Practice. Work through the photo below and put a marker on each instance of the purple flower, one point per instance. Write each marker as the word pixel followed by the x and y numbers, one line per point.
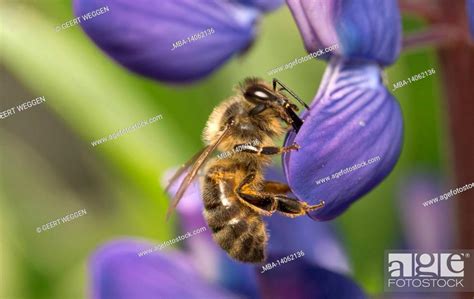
pixel 307 281
pixel 118 272
pixel 363 29
pixel 142 34
pixel 350 139
pixel 352 136
pixel 264 5
pixel 470 15
pixel 202 270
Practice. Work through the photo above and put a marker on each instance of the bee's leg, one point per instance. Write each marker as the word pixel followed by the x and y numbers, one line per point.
pixel 292 207
pixel 265 150
pixel 267 203
pixel 261 203
pixel 295 121
pixel 275 187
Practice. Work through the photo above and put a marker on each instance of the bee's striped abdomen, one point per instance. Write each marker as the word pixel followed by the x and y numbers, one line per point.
pixel 235 227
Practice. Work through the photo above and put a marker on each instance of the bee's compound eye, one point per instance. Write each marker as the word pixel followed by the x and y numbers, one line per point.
pixel 258 94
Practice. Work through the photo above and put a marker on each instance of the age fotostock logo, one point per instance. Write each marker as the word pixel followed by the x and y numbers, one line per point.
pixel 447 270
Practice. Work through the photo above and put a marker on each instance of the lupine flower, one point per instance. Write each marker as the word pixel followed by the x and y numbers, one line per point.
pixel 203 270
pixel 353 117
pixel 140 34
pixel 118 272
pixel 364 29
pixel 352 120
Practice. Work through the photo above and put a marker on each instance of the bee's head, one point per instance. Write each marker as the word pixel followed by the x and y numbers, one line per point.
pixel 259 94
pixel 264 98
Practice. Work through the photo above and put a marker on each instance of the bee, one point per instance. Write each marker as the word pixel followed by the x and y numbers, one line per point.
pixel 234 191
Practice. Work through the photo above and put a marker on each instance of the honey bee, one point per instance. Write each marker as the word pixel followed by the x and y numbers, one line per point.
pixel 234 191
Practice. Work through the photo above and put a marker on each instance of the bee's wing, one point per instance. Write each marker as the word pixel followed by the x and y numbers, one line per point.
pixel 199 159
pixel 183 168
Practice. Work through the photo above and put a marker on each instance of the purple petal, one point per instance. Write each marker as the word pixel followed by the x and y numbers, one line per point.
pixel 140 34
pixel 118 272
pixel 239 278
pixel 299 280
pixel 318 240
pixel 363 29
pixel 353 120
pixel 470 15
pixel 263 5
pixel 427 227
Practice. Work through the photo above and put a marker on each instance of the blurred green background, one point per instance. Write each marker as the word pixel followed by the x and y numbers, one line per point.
pixel 49 168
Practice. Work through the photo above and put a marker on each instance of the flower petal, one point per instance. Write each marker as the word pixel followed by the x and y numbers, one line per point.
pixel 264 5
pixel 363 29
pixel 323 247
pixel 118 272
pixel 298 279
pixel 140 34
pixel 353 120
pixel 237 277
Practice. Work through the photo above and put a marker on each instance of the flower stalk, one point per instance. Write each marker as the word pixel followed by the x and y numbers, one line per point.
pixel 457 63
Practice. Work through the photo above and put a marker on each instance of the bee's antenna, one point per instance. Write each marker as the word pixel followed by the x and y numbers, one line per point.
pixel 284 87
